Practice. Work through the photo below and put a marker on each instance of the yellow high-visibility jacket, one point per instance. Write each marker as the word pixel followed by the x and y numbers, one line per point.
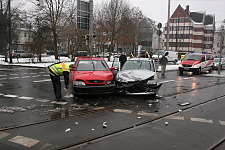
pixel 59 68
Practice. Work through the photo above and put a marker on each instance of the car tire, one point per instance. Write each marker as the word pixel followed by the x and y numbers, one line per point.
pixel 210 70
pixel 199 71
pixel 181 72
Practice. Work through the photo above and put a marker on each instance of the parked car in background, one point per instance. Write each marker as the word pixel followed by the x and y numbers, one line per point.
pixel 137 77
pixel 92 76
pixel 172 56
pixel 216 63
pixel 21 54
pixel 63 53
pixel 196 63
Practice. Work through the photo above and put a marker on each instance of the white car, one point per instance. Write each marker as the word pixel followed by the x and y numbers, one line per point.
pixel 216 63
pixel 137 77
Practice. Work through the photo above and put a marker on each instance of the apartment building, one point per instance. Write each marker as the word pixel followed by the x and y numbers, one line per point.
pixel 190 31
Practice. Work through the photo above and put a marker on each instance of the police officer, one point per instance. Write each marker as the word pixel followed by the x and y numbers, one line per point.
pixel 56 70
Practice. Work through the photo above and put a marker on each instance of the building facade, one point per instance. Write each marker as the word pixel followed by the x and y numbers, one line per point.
pixel 190 31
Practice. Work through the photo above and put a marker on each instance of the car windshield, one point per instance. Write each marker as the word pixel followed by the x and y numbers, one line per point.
pixel 159 52
pixel 92 65
pixel 137 64
pixel 192 57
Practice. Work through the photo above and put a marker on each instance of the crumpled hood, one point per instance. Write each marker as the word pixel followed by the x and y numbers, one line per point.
pixel 135 75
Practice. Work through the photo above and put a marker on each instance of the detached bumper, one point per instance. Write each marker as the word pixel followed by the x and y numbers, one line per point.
pixel 137 90
pixel 94 90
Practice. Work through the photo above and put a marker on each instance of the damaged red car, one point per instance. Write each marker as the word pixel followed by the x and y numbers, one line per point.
pixel 92 75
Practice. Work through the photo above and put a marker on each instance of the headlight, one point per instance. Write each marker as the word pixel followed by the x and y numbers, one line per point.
pixel 120 79
pixel 78 83
pixel 196 66
pixel 151 82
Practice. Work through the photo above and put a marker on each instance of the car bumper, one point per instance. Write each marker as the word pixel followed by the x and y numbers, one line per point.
pixel 136 90
pixel 94 90
pixel 188 69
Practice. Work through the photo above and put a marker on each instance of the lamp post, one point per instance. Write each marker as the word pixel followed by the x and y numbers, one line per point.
pixel 10 40
pixel 168 27
pixel 221 47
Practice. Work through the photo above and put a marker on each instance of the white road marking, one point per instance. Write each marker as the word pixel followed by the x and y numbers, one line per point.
pixel 12 96
pixel 4 134
pixel 14 78
pixel 2 75
pixel 3 78
pixel 42 72
pixel 188 78
pixel 147 114
pixel 167 81
pixel 175 117
pixel 14 74
pixel 43 80
pixel 25 141
pixel 42 100
pixel 201 120
pixel 222 122
pixel 122 111
pixel 59 103
pixel 25 77
pixel 36 76
pixel 33 73
pixel 26 98
pixel 45 75
pixel 24 73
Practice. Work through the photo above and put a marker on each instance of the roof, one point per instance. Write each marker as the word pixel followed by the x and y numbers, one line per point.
pixel 142 59
pixel 90 58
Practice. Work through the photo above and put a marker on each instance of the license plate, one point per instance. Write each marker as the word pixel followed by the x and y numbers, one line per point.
pixel 186 68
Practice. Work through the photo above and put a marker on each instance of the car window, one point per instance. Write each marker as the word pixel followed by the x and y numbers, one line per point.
pixel 130 65
pixel 208 57
pixel 192 57
pixel 92 65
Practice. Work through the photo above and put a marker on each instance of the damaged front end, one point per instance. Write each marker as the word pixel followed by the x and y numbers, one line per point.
pixel 134 83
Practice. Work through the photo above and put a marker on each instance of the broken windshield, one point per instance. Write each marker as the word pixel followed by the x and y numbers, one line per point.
pixel 137 64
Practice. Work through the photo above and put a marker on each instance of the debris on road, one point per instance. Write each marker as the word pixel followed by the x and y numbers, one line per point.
pixel 153 101
pixel 184 104
pixel 166 123
pixel 104 125
pixel 67 130
pixel 139 117
pixel 76 122
pixel 69 95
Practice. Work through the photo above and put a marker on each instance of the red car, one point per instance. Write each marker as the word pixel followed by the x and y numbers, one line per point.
pixel 92 75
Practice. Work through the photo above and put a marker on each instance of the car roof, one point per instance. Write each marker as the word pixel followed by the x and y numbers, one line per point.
pixel 90 58
pixel 198 54
pixel 140 59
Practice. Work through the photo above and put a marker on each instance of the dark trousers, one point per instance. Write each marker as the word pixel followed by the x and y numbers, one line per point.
pixel 56 86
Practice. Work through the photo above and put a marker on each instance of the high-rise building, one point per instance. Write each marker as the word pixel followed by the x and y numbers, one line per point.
pixel 191 31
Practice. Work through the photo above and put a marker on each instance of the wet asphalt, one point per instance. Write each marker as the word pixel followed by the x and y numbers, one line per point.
pixel 31 120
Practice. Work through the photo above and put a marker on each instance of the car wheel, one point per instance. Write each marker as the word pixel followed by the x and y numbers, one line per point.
pixel 181 72
pixel 210 70
pixel 199 71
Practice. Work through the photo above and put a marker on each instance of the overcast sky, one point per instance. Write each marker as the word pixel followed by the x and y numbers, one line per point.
pixel 158 9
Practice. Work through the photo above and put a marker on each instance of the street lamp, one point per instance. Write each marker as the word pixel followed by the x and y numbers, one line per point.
pixel 168 27
pixel 10 40
pixel 221 47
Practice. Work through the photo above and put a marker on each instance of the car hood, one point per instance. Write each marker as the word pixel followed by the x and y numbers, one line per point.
pixel 134 75
pixel 93 75
pixel 190 62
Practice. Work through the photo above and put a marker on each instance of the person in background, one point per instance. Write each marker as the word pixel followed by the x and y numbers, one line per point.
pixel 132 55
pixel 56 70
pixel 122 59
pixel 163 62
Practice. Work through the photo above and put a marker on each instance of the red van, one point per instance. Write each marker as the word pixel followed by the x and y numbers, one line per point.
pixel 196 63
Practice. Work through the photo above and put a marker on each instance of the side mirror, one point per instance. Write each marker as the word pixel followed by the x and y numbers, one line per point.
pixel 113 68
pixel 167 53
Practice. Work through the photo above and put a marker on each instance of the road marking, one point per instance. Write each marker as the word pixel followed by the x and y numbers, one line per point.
pixel 26 98
pixel 12 96
pixel 188 78
pixel 4 134
pixel 147 114
pixel 201 120
pixel 122 111
pixel 167 81
pixel 25 141
pixel 24 73
pixel 42 80
pixel 175 117
pixel 59 103
pixel 222 122
pixel 36 76
pixel 3 78
pixel 13 74
pixel 33 73
pixel 42 72
pixel 14 78
pixel 1 94
pixel 45 75
pixel 2 75
pixel 25 77
pixel 42 100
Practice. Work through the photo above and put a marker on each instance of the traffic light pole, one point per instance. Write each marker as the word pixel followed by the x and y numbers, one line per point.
pixel 90 42
pixel 168 27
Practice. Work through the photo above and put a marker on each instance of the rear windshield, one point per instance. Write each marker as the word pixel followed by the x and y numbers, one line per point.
pixel 192 57
pixel 92 65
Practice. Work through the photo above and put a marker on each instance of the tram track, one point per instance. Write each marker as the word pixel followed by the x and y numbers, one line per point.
pixel 131 127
